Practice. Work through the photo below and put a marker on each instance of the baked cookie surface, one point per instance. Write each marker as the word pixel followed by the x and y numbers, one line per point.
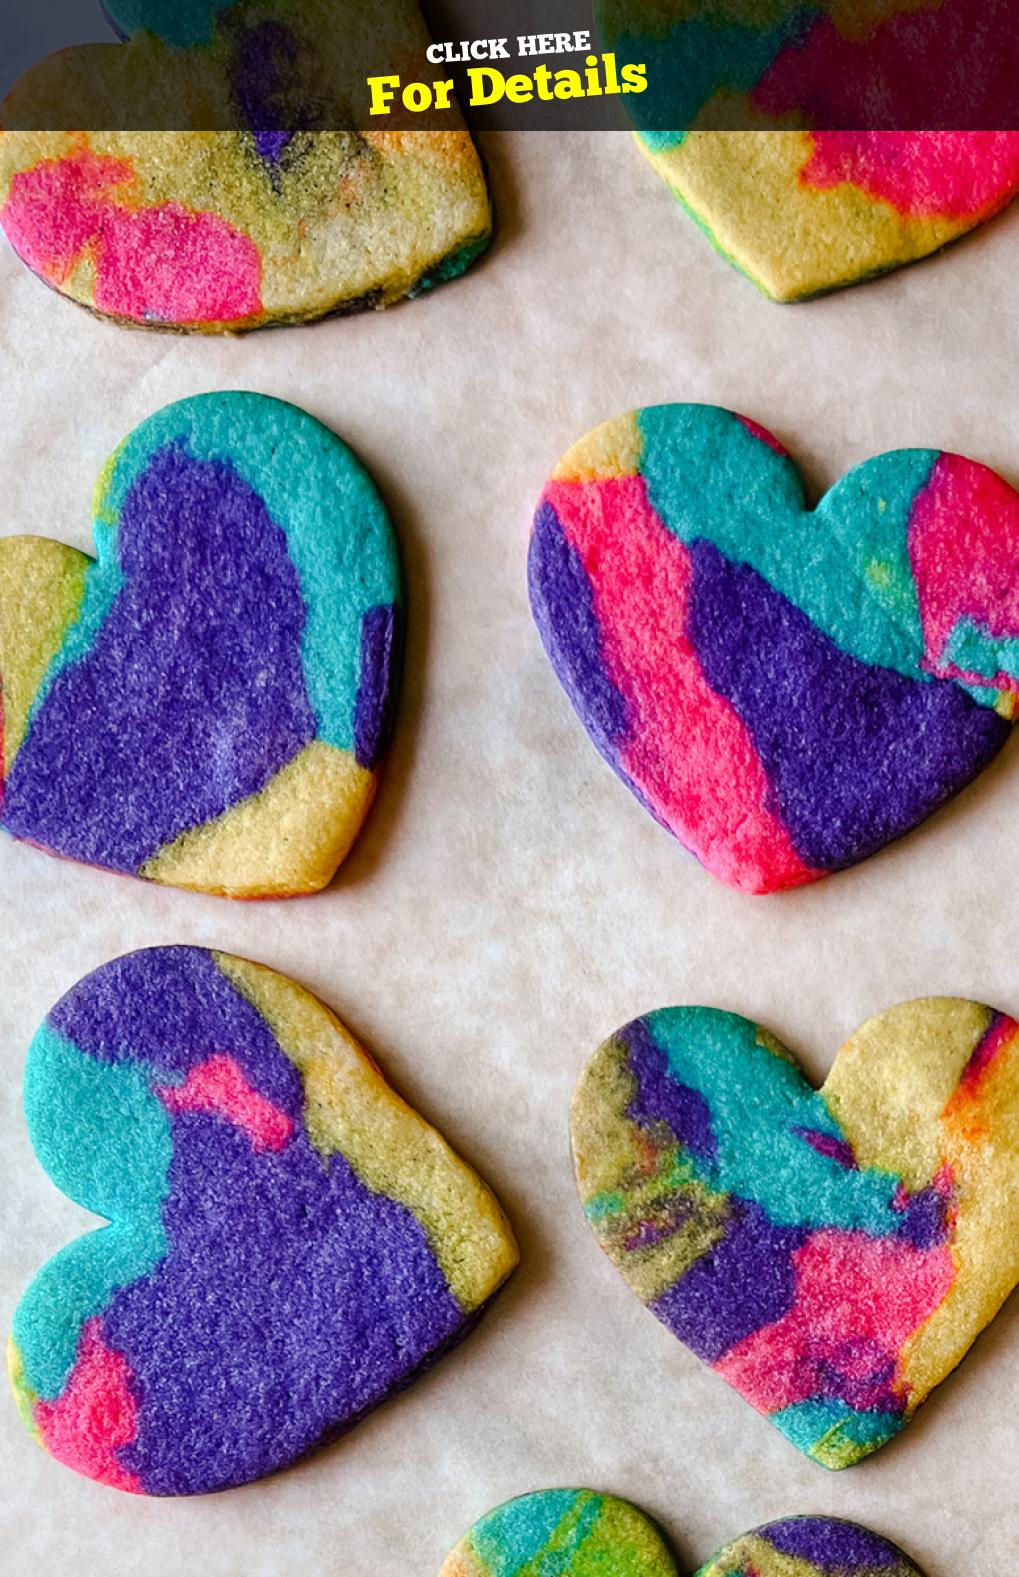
pixel 289 1243
pixel 580 1533
pixel 786 690
pixel 208 702
pixel 832 1254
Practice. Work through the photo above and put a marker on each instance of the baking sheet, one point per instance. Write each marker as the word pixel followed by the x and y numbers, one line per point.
pixel 509 904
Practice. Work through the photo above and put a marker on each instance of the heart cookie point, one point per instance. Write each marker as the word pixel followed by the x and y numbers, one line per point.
pixel 208 703
pixel 832 1254
pixel 785 690
pixel 289 1244
pixel 804 213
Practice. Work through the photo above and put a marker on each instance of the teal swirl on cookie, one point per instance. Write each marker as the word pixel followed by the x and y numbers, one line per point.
pixel 566 1531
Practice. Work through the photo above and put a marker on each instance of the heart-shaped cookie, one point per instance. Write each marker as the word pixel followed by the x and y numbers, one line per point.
pixel 207 703
pixel 785 690
pixel 215 229
pixel 581 1533
pixel 806 211
pixel 832 1254
pixel 802 213
pixel 289 1243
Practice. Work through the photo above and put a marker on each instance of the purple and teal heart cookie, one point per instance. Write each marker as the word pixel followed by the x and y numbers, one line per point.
pixel 786 690
pixel 208 702
pixel 289 1243
pixel 831 1253
pixel 580 1533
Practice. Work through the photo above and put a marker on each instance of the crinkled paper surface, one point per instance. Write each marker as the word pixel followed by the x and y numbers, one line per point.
pixel 509 904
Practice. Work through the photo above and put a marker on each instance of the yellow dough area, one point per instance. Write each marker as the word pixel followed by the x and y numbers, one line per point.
pixel 796 234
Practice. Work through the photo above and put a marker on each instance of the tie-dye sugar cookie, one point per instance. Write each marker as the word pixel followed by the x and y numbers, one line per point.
pixel 802 212
pixel 807 211
pixel 810 1547
pixel 818 63
pixel 289 1243
pixel 207 703
pixel 580 1533
pixel 221 230
pixel 571 1532
pixel 832 1254
pixel 785 690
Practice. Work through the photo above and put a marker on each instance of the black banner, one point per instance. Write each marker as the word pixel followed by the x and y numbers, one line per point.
pixel 285 67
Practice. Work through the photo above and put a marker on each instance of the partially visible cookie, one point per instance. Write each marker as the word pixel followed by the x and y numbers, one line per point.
pixel 810 1547
pixel 571 1532
pixel 806 211
pixel 802 213
pixel 206 704
pixel 580 1533
pixel 223 230
pixel 289 1243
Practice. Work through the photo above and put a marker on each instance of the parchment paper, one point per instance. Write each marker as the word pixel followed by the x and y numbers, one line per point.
pixel 509 903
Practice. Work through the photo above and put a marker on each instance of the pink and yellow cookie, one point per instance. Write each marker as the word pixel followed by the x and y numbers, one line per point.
pixel 801 213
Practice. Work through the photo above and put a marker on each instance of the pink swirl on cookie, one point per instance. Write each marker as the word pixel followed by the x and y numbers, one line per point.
pixel 219 1087
pixel 965 578
pixel 96 1415
pixel 160 263
pixel 688 753
pixel 921 174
